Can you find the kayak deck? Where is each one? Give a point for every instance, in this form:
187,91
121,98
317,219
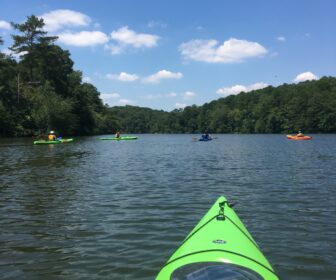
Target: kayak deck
120,138
218,245
46,142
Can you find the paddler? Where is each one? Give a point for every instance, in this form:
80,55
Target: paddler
300,134
51,136
206,136
117,135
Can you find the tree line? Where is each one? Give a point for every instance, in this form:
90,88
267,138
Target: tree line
308,106
41,91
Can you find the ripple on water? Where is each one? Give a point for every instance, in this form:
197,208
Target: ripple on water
117,210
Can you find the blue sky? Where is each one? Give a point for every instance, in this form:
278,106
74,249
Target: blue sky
170,54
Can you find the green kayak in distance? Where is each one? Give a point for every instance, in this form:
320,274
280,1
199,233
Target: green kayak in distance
120,138
219,247
46,142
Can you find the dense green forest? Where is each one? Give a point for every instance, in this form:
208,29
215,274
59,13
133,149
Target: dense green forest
42,91
308,106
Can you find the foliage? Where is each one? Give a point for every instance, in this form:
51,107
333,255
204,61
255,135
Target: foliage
41,91
308,106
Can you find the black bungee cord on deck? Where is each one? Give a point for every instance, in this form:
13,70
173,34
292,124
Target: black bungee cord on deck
221,216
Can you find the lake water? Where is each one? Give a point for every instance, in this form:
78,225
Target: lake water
117,210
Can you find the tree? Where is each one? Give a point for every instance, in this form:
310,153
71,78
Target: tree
50,111
25,44
8,102
54,65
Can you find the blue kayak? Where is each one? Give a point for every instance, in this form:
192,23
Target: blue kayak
205,139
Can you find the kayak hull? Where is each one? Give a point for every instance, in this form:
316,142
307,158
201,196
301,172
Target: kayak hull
204,140
295,137
46,142
219,242
120,138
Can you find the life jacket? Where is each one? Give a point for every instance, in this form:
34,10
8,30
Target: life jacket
51,137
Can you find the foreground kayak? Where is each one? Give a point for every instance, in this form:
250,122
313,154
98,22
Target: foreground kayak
120,138
46,142
219,247
298,137
205,139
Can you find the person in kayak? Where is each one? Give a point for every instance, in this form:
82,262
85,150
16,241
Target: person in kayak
300,134
206,136
117,135
51,136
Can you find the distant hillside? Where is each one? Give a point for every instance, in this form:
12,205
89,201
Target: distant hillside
309,106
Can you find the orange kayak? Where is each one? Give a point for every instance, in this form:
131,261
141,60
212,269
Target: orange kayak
299,137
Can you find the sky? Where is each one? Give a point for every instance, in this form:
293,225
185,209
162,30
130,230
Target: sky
171,54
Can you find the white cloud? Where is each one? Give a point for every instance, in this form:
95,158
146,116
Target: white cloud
180,105
172,94
114,99
87,80
231,90
126,36
306,76
189,94
110,98
114,95
257,86
281,39
22,53
226,91
13,54
152,96
232,50
7,52
110,95
123,77
114,49
5,25
161,75
125,101
57,19
83,38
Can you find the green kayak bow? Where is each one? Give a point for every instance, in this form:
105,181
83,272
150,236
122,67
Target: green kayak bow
219,247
